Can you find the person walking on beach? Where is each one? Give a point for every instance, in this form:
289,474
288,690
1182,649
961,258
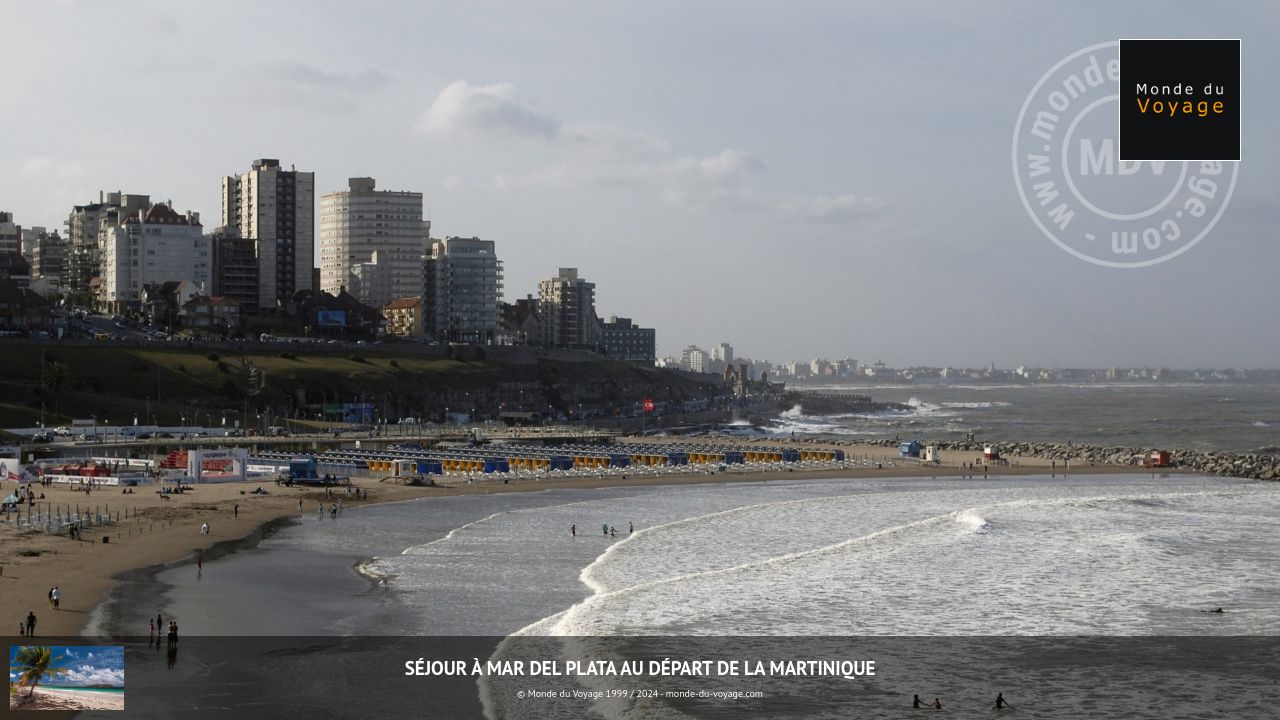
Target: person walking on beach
299,506
236,511
1000,703
56,594
31,624
204,529
50,594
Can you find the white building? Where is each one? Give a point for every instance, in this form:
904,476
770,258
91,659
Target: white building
276,209
154,246
82,266
362,226
462,281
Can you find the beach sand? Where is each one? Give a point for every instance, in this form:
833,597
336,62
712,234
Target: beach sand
59,699
160,531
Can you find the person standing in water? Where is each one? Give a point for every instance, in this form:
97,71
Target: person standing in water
937,704
1000,703
573,530
916,702
631,528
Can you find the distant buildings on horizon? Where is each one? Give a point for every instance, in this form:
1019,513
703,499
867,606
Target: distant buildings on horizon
380,271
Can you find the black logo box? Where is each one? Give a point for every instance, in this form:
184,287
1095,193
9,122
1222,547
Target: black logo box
1184,64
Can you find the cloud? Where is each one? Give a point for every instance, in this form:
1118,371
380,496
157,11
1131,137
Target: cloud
46,168
91,675
592,155
299,73
463,108
300,87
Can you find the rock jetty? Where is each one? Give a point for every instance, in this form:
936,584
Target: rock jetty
1256,466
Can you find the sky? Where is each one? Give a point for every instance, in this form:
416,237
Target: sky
84,665
819,179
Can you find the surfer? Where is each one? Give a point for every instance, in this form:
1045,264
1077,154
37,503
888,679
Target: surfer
1215,611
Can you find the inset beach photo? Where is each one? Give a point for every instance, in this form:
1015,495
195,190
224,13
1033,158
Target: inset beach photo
66,677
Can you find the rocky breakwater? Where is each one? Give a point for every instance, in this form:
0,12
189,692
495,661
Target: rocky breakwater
834,403
1256,466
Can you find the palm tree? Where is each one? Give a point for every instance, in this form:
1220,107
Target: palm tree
32,663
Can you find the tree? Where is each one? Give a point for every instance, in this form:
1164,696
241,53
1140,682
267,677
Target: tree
54,378
32,663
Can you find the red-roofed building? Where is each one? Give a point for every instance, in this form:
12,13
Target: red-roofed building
405,317
151,247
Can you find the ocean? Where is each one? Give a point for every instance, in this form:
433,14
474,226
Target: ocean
1024,555
1227,417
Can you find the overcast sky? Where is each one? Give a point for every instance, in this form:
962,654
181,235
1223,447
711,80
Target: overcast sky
799,179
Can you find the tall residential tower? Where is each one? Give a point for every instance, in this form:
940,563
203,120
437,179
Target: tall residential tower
275,208
371,242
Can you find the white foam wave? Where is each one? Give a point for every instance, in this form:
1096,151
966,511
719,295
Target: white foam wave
974,521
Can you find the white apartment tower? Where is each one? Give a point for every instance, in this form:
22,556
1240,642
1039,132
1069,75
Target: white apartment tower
371,242
462,281
276,209
85,227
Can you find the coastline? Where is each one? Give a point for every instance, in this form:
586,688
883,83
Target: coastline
167,534
70,699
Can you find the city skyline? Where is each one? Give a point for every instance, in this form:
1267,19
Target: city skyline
860,186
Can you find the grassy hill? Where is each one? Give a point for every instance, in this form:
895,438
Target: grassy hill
116,383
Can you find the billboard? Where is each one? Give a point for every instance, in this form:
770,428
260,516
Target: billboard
331,318
10,464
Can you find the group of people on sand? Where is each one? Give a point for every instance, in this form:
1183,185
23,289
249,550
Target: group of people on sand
157,627
918,704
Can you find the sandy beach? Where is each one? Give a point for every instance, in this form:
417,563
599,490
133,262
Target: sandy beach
159,531
61,699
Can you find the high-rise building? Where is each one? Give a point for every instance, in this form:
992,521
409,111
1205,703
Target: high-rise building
275,208
622,339
46,252
462,283
85,227
152,247
722,352
567,304
10,233
362,227
235,268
